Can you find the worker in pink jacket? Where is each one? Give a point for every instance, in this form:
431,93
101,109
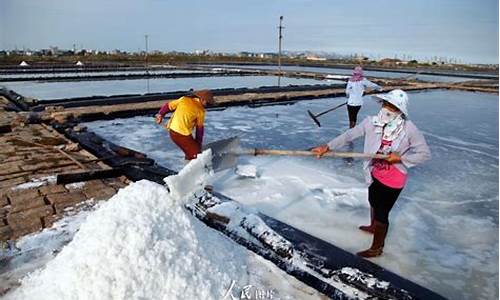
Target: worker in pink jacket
390,132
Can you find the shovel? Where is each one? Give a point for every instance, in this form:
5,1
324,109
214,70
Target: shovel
315,117
225,153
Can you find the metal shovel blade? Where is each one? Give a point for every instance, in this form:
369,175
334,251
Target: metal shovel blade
222,157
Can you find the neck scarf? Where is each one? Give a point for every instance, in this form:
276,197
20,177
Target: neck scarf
391,123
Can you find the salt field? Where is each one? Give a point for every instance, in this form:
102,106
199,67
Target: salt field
57,90
84,73
101,199
444,227
340,71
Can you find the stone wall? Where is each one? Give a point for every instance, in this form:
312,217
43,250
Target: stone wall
31,155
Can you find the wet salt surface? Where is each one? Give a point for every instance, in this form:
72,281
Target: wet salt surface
383,74
444,227
56,90
66,74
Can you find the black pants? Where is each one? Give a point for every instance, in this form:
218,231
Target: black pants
352,111
382,199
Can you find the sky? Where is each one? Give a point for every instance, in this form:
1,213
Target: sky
465,30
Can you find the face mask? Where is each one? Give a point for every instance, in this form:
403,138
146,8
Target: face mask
385,116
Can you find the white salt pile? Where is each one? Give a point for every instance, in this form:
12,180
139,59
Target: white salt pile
143,244
140,244
191,178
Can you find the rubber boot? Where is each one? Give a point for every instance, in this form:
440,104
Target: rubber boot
378,241
369,228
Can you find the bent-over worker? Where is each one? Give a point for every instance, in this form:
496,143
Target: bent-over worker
188,112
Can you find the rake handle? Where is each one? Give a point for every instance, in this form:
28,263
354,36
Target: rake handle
257,151
331,109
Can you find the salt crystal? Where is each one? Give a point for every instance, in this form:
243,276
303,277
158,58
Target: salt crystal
246,171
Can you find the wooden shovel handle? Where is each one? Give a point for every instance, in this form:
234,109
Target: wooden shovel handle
310,153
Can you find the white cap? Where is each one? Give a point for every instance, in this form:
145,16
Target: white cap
398,98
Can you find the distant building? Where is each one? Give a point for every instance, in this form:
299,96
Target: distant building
389,61
268,55
202,52
54,50
66,52
116,52
45,52
315,58
247,54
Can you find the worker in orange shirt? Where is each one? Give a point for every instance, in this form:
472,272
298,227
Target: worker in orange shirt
188,112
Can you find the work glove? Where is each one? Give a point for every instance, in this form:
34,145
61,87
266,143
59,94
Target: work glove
320,150
393,158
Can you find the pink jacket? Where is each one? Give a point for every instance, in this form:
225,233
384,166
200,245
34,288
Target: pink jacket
410,144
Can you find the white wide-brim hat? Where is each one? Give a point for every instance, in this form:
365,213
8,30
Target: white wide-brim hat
398,98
